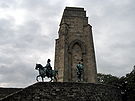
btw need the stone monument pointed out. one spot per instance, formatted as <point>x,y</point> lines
<point>75,44</point>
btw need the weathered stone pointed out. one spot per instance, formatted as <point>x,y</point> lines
<point>69,91</point>
<point>75,42</point>
<point>6,91</point>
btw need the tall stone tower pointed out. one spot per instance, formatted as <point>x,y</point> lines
<point>75,43</point>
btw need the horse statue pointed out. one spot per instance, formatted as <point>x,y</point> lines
<point>80,71</point>
<point>43,72</point>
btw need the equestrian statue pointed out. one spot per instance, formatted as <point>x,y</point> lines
<point>46,71</point>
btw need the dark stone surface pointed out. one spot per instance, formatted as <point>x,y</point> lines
<point>66,91</point>
<point>6,91</point>
<point>74,12</point>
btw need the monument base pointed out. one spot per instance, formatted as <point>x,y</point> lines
<point>66,91</point>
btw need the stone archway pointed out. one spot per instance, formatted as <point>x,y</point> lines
<point>76,52</point>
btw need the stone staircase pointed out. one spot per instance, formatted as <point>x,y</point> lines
<point>65,91</point>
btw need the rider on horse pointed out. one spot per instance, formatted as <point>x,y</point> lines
<point>46,71</point>
<point>48,68</point>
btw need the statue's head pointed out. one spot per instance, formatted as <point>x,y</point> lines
<point>48,60</point>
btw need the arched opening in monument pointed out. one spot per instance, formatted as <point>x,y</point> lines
<point>76,52</point>
<point>76,57</point>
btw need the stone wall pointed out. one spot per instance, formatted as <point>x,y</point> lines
<point>6,91</point>
<point>66,91</point>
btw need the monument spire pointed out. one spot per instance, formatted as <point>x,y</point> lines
<point>75,43</point>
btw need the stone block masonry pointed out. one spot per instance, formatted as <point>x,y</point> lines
<point>6,91</point>
<point>66,91</point>
<point>75,43</point>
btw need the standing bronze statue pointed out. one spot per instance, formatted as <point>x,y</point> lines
<point>80,69</point>
<point>46,71</point>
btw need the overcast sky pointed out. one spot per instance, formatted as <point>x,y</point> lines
<point>28,29</point>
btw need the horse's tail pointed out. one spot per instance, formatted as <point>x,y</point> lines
<point>54,72</point>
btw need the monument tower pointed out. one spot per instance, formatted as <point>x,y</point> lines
<point>75,43</point>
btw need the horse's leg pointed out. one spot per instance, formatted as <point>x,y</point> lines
<point>51,79</point>
<point>55,78</point>
<point>42,79</point>
<point>37,77</point>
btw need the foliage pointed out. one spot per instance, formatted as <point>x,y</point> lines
<point>125,83</point>
<point>130,85</point>
<point>107,79</point>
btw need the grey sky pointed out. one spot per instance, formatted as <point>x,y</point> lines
<point>28,29</point>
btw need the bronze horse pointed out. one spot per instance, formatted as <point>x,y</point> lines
<point>44,73</point>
